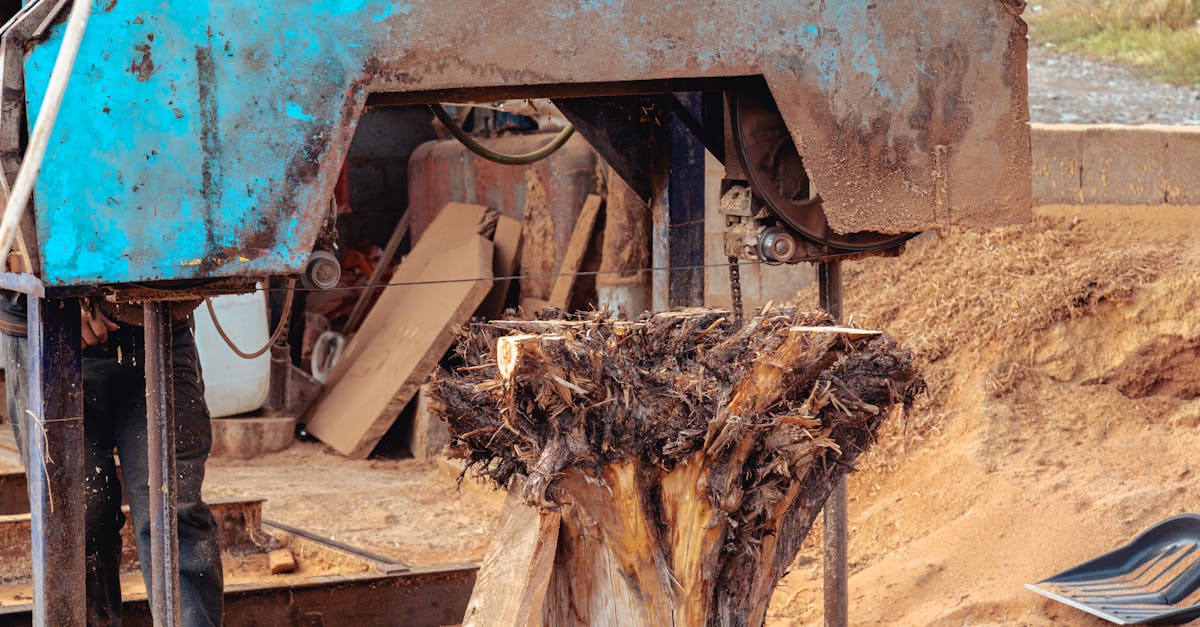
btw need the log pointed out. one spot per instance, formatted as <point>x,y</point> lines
<point>686,454</point>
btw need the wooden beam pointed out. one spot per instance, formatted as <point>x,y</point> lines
<point>581,238</point>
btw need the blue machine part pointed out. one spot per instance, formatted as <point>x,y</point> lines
<point>203,138</point>
<point>191,135</point>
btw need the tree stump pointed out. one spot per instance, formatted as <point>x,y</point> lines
<point>686,455</point>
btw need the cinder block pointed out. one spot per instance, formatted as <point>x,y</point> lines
<point>1057,163</point>
<point>1182,166</point>
<point>1124,165</point>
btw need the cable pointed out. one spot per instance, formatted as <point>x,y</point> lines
<point>530,157</point>
<point>31,164</point>
<point>510,278</point>
<point>279,327</point>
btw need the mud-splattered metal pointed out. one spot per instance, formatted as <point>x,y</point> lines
<point>203,138</point>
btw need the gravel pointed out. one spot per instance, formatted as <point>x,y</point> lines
<point>1072,88</point>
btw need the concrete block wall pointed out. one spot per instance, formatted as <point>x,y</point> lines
<point>1115,164</point>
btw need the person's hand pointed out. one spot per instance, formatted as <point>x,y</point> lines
<point>94,327</point>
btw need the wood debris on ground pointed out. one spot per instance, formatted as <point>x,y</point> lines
<point>685,455</point>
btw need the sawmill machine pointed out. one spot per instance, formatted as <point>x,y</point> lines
<point>197,145</point>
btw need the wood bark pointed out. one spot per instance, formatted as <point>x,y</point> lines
<point>687,455</point>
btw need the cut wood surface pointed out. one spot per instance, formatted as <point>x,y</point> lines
<point>504,264</point>
<point>455,224</point>
<point>687,454</point>
<point>515,573</point>
<point>581,238</point>
<point>406,340</point>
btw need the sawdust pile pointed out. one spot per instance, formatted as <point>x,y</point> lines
<point>597,390</point>
<point>1062,418</point>
<point>957,293</point>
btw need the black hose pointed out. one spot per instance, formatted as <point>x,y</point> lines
<point>530,157</point>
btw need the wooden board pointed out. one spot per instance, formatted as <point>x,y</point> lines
<point>454,226</point>
<point>504,264</point>
<point>409,334</point>
<point>585,225</point>
<point>430,434</point>
<point>510,589</point>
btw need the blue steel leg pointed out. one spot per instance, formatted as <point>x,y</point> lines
<point>160,444</point>
<point>54,441</point>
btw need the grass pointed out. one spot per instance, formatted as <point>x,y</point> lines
<point>1160,36</point>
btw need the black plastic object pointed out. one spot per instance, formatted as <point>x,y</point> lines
<point>1154,579</point>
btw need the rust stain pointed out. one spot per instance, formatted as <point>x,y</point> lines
<point>942,116</point>
<point>144,68</point>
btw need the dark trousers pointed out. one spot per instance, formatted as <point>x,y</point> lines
<point>114,383</point>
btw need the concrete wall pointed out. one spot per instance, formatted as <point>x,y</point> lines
<point>1115,164</point>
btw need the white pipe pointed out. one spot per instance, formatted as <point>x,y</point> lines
<point>31,164</point>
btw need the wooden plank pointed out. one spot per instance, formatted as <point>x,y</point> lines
<point>385,262</point>
<point>505,263</point>
<point>410,334</point>
<point>585,225</point>
<point>430,434</point>
<point>511,586</point>
<point>14,495</point>
<point>454,226</point>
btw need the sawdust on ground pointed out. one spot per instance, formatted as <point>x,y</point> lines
<point>409,510</point>
<point>1063,416</point>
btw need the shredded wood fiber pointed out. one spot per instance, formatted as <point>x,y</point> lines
<point>591,390</point>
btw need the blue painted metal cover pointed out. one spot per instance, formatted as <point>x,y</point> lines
<point>202,138</point>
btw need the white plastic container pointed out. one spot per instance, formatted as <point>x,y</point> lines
<point>233,385</point>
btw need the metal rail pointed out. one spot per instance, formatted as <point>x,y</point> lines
<point>160,442</point>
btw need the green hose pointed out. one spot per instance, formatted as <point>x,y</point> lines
<point>530,157</point>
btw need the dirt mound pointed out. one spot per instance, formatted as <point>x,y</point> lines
<point>1062,361</point>
<point>1167,365</point>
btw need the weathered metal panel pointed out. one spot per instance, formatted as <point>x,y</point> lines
<point>203,138</point>
<point>445,171</point>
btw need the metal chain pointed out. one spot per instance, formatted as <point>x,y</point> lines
<point>735,288</point>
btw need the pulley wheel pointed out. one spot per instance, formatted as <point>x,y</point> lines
<point>777,175</point>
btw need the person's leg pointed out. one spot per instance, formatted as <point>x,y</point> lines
<point>16,382</point>
<point>201,582</point>
<point>103,517</point>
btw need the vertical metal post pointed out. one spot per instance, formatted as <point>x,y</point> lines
<point>55,444</point>
<point>677,209</point>
<point>686,207</point>
<point>837,591</point>
<point>160,442</point>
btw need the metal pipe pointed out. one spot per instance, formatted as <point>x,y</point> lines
<point>54,439</point>
<point>837,591</point>
<point>160,443</point>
